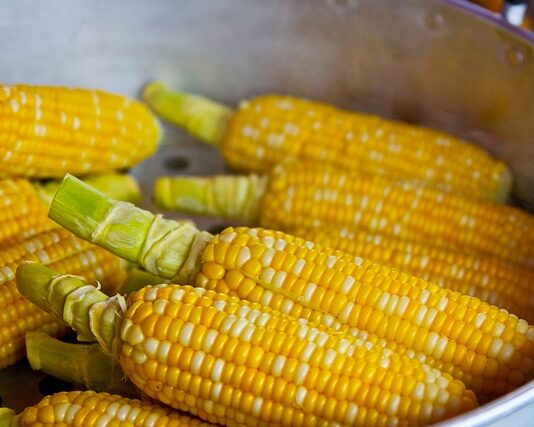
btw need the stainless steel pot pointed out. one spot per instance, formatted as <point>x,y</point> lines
<point>440,63</point>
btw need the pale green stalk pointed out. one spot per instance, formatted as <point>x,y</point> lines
<point>203,118</point>
<point>225,196</point>
<point>170,249</point>
<point>83,307</point>
<point>119,186</point>
<point>83,364</point>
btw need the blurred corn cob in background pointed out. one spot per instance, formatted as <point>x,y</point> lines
<point>91,409</point>
<point>28,234</point>
<point>487,348</point>
<point>303,194</point>
<point>266,130</point>
<point>230,361</point>
<point>48,131</point>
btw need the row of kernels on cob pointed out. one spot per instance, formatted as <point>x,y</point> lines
<point>488,278</point>
<point>488,348</point>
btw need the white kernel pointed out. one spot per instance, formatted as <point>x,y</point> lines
<point>104,419</point>
<point>280,244</point>
<point>522,326</point>
<point>71,413</point>
<point>186,333</point>
<point>383,301</point>
<point>495,348</point>
<point>268,241</point>
<point>429,318</point>
<point>257,404</point>
<point>345,312</point>
<point>278,365</point>
<point>331,261</point>
<point>150,347</point>
<point>243,256</point>
<point>197,361</point>
<point>14,105</point>
<point>267,275</point>
<point>209,339</point>
<point>60,411</point>
<point>351,413</point>
<point>423,298</point>
<point>393,405</point>
<point>431,342</point>
<point>309,290</point>
<point>238,327</point>
<point>479,320</point>
<point>135,335</point>
<point>139,356</point>
<point>418,392</point>
<point>298,266</point>
<point>159,306</point>
<point>300,396</point>
<point>308,351</point>
<point>266,298</point>
<point>347,284</point>
<point>506,353</point>
<point>328,358</point>
<point>217,370</point>
<point>358,261</point>
<point>262,319</point>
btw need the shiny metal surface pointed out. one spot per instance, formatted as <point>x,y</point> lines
<point>433,62</point>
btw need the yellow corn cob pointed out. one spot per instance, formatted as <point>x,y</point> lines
<point>267,130</point>
<point>21,212</point>
<point>489,349</point>
<point>299,194</point>
<point>88,408</point>
<point>64,252</point>
<point>230,361</point>
<point>490,279</point>
<point>49,131</point>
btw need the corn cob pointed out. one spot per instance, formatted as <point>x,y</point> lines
<point>298,194</point>
<point>24,205</point>
<point>490,279</point>
<point>62,251</point>
<point>267,130</point>
<point>83,364</point>
<point>49,131</point>
<point>88,408</point>
<point>487,348</point>
<point>230,361</point>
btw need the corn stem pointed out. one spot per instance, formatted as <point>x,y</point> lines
<point>201,117</point>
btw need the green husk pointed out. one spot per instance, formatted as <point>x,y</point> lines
<point>227,196</point>
<point>119,186</point>
<point>203,118</point>
<point>83,364</point>
<point>91,313</point>
<point>170,249</point>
